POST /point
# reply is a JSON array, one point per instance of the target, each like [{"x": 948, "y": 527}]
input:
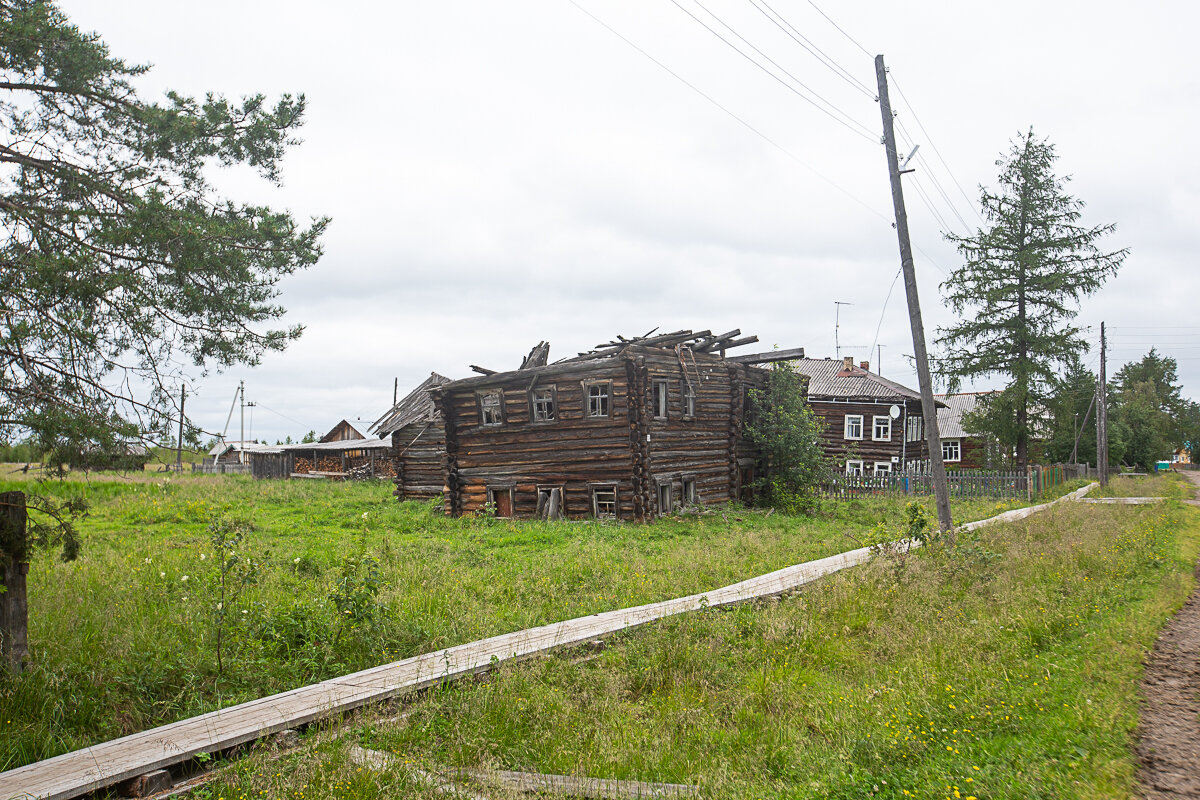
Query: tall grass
[
  {"x": 126, "y": 637},
  {"x": 1006, "y": 667}
]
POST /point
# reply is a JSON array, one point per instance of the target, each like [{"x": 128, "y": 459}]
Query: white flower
[
  {"x": 220, "y": 606},
  {"x": 243, "y": 611},
  {"x": 203, "y": 556},
  {"x": 184, "y": 578},
  {"x": 295, "y": 560},
  {"x": 148, "y": 560},
  {"x": 162, "y": 574},
  {"x": 364, "y": 515},
  {"x": 185, "y": 598}
]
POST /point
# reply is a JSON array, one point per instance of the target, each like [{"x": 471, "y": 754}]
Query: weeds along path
[
  {"x": 1169, "y": 731},
  {"x": 100, "y": 766}
]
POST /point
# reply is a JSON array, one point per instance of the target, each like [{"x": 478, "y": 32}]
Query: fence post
[{"x": 14, "y": 609}]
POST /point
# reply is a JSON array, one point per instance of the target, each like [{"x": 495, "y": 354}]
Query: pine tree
[
  {"x": 1020, "y": 285},
  {"x": 120, "y": 264}
]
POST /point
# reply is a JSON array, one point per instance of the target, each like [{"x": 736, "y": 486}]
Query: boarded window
[
  {"x": 660, "y": 399},
  {"x": 491, "y": 408},
  {"x": 604, "y": 502},
  {"x": 550, "y": 503},
  {"x": 543, "y": 402},
  {"x": 599, "y": 399},
  {"x": 501, "y": 501},
  {"x": 854, "y": 426}
]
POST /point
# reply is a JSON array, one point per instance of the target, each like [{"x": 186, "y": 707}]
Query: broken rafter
[
  {"x": 483, "y": 370},
  {"x": 537, "y": 357}
]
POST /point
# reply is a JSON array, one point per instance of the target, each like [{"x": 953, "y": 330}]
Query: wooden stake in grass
[{"x": 14, "y": 610}]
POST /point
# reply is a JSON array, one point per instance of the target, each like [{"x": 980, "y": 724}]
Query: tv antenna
[{"x": 837, "y": 315}]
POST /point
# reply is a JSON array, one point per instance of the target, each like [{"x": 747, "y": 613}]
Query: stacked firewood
[{"x": 303, "y": 466}]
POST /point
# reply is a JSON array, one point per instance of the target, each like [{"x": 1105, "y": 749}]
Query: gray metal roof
[
  {"x": 246, "y": 447},
  {"x": 416, "y": 406},
  {"x": 344, "y": 444},
  {"x": 950, "y": 424},
  {"x": 829, "y": 378}
]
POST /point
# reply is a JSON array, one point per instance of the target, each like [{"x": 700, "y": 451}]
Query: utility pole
[
  {"x": 941, "y": 488},
  {"x": 837, "y": 318},
  {"x": 179, "y": 450},
  {"x": 1102, "y": 412},
  {"x": 395, "y": 391},
  {"x": 242, "y": 411}
]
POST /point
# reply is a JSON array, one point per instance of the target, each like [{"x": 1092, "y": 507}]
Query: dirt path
[{"x": 1169, "y": 731}]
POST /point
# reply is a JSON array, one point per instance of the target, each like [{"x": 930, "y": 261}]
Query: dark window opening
[
  {"x": 501, "y": 501},
  {"x": 689, "y": 491},
  {"x": 660, "y": 399},
  {"x": 491, "y": 410},
  {"x": 604, "y": 502},
  {"x": 664, "y": 499},
  {"x": 543, "y": 402},
  {"x": 689, "y": 400}
]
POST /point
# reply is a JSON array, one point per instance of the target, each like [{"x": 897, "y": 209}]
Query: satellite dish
[{"x": 894, "y": 412}]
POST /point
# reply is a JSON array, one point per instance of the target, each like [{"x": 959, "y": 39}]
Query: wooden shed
[
  {"x": 635, "y": 428},
  {"x": 417, "y": 434}
]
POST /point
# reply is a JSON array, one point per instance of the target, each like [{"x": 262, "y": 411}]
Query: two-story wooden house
[
  {"x": 637, "y": 427},
  {"x": 873, "y": 425}
]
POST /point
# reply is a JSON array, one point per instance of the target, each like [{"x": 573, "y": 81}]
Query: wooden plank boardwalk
[{"x": 103, "y": 765}]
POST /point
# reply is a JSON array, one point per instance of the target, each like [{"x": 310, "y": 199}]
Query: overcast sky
[{"x": 502, "y": 173}]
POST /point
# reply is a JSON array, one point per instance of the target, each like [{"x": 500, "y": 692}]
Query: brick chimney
[{"x": 866, "y": 365}]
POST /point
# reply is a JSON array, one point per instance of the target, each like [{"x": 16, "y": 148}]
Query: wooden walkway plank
[{"x": 99, "y": 766}]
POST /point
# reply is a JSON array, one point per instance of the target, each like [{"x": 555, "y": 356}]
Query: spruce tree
[{"x": 1020, "y": 284}]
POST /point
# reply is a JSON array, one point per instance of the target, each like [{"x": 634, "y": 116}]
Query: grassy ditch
[
  {"x": 1163, "y": 484},
  {"x": 1006, "y": 667},
  {"x": 198, "y": 592}
]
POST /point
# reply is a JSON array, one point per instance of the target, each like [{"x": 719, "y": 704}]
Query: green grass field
[{"x": 1004, "y": 668}]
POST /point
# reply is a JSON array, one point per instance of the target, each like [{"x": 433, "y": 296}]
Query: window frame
[
  {"x": 956, "y": 443},
  {"x": 480, "y": 398},
  {"x": 534, "y": 393},
  {"x": 850, "y": 467},
  {"x": 660, "y": 398},
  {"x": 887, "y": 468},
  {"x": 688, "y": 400},
  {"x": 846, "y": 427},
  {"x": 587, "y": 399},
  {"x": 914, "y": 428},
  {"x": 690, "y": 496},
  {"x": 616, "y": 500},
  {"x": 875, "y": 420},
  {"x": 492, "y": 491}
]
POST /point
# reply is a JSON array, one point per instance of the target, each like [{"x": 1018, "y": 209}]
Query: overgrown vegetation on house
[{"x": 786, "y": 430}]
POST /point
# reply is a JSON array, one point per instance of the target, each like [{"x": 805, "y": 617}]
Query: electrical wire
[
  {"x": 802, "y": 40},
  {"x": 839, "y": 28},
  {"x": 832, "y": 112},
  {"x": 933, "y": 145},
  {"x": 730, "y": 113},
  {"x": 879, "y": 327}
]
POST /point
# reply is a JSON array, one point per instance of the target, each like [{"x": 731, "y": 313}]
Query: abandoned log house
[
  {"x": 635, "y": 428},
  {"x": 417, "y": 436},
  {"x": 873, "y": 426}
]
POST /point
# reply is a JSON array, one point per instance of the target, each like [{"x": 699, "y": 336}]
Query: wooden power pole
[
  {"x": 941, "y": 488},
  {"x": 1102, "y": 413},
  {"x": 179, "y": 449}
]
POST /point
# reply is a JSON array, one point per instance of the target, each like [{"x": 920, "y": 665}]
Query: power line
[
  {"x": 802, "y": 40},
  {"x": 879, "y": 327},
  {"x": 842, "y": 32},
  {"x": 848, "y": 122},
  {"x": 934, "y": 146},
  {"x": 730, "y": 113}
]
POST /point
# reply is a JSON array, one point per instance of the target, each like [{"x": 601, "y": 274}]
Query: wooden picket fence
[{"x": 964, "y": 483}]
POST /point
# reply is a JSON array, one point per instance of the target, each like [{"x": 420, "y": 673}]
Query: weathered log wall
[{"x": 417, "y": 455}]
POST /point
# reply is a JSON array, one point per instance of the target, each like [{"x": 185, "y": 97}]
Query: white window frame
[
  {"x": 846, "y": 427},
  {"x": 854, "y": 467},
  {"x": 875, "y": 424},
  {"x": 883, "y": 468},
  {"x": 914, "y": 428},
  {"x": 955, "y": 445}
]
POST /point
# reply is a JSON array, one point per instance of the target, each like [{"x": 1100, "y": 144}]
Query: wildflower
[
  {"x": 184, "y": 579},
  {"x": 148, "y": 560},
  {"x": 162, "y": 574},
  {"x": 203, "y": 556},
  {"x": 296, "y": 560},
  {"x": 364, "y": 515}
]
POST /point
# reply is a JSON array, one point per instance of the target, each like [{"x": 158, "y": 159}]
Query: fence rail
[
  {"x": 964, "y": 484},
  {"x": 222, "y": 469}
]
